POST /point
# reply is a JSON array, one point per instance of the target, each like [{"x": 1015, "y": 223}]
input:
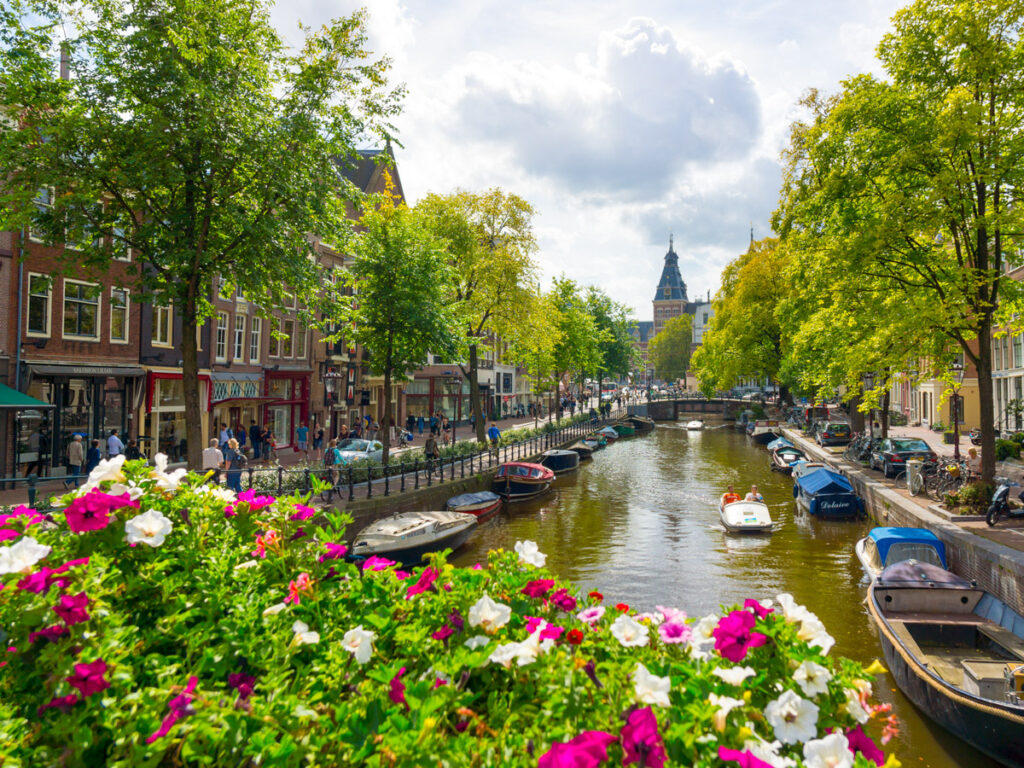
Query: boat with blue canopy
[
  {"x": 826, "y": 494},
  {"x": 779, "y": 442},
  {"x": 886, "y": 545}
]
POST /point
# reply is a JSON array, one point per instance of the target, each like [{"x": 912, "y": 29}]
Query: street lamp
[{"x": 958, "y": 370}]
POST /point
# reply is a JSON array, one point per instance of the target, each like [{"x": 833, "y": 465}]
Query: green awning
[{"x": 12, "y": 398}]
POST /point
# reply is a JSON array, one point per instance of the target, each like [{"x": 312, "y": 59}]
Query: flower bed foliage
[{"x": 151, "y": 620}]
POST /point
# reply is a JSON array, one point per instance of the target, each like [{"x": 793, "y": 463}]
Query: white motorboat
[
  {"x": 695, "y": 424},
  {"x": 746, "y": 517},
  {"x": 408, "y": 536}
]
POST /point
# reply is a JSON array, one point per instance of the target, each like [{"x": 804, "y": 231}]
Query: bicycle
[{"x": 946, "y": 479}]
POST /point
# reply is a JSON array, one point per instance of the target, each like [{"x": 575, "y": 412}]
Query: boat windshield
[{"x": 912, "y": 550}]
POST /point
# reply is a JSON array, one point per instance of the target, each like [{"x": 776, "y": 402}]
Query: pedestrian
[
  {"x": 446, "y": 428},
  {"x": 356, "y": 430},
  {"x": 131, "y": 451},
  {"x": 434, "y": 421},
  {"x": 420, "y": 423},
  {"x": 213, "y": 460},
  {"x": 333, "y": 462},
  {"x": 234, "y": 463},
  {"x": 494, "y": 435},
  {"x": 432, "y": 453},
  {"x": 114, "y": 445},
  {"x": 256, "y": 438},
  {"x": 410, "y": 423},
  {"x": 240, "y": 436},
  {"x": 270, "y": 445},
  {"x": 76, "y": 459},
  {"x": 92, "y": 457},
  {"x": 343, "y": 433},
  {"x": 302, "y": 436},
  {"x": 374, "y": 429},
  {"x": 318, "y": 441},
  {"x": 225, "y": 435}
]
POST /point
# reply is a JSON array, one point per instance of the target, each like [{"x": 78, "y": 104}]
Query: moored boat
[
  {"x": 519, "y": 480},
  {"x": 482, "y": 504},
  {"x": 408, "y": 536},
  {"x": 585, "y": 450},
  {"x": 778, "y": 443},
  {"x": 641, "y": 423},
  {"x": 559, "y": 461},
  {"x": 764, "y": 431},
  {"x": 802, "y": 468},
  {"x": 745, "y": 517},
  {"x": 608, "y": 433},
  {"x": 956, "y": 651},
  {"x": 694, "y": 425},
  {"x": 885, "y": 546},
  {"x": 827, "y": 494},
  {"x": 784, "y": 457},
  {"x": 624, "y": 429}
]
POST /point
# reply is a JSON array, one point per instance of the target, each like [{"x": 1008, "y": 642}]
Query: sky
[{"x": 619, "y": 121}]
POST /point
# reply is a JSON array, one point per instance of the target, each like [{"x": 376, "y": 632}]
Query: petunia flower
[
  {"x": 734, "y": 636},
  {"x": 456, "y": 621},
  {"x": 588, "y": 750},
  {"x": 674, "y": 632},
  {"x": 298, "y": 586},
  {"x": 832, "y": 751},
  {"x": 538, "y": 588},
  {"x": 745, "y": 758},
  {"x": 242, "y": 683},
  {"x": 443, "y": 633},
  {"x": 548, "y": 631},
  {"x": 302, "y": 512},
  {"x": 20, "y": 557},
  {"x": 359, "y": 643},
  {"x": 563, "y": 600},
  {"x": 49, "y": 633},
  {"x": 150, "y": 528},
  {"x": 672, "y": 614},
  {"x": 591, "y": 615},
  {"x": 649, "y": 688},
  {"x": 860, "y": 743},
  {"x": 180, "y": 706},
  {"x": 477, "y": 641},
  {"x": 334, "y": 552},
  {"x": 812, "y": 678},
  {"x": 641, "y": 741},
  {"x": 794, "y": 719},
  {"x": 723, "y": 706},
  {"x": 89, "y": 678},
  {"x": 628, "y": 632},
  {"x": 427, "y": 577},
  {"x": 108, "y": 469},
  {"x": 303, "y": 635},
  {"x": 63, "y": 703},
  {"x": 397, "y": 689},
  {"x": 489, "y": 615},
  {"x": 591, "y": 669},
  {"x": 91, "y": 512},
  {"x": 71, "y": 608},
  {"x": 733, "y": 675},
  {"x": 760, "y": 609},
  {"x": 529, "y": 554},
  {"x": 374, "y": 563}
]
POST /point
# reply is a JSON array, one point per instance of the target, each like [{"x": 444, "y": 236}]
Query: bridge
[{"x": 670, "y": 409}]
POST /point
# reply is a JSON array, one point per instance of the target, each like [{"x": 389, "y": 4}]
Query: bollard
[
  {"x": 387, "y": 487},
  {"x": 306, "y": 489}
]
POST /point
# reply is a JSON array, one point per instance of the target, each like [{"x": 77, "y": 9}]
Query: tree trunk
[
  {"x": 474, "y": 394},
  {"x": 856, "y": 417},
  {"x": 986, "y": 401},
  {"x": 385, "y": 424},
  {"x": 885, "y": 414},
  {"x": 190, "y": 380}
]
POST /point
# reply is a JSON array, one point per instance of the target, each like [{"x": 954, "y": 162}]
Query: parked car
[
  {"x": 892, "y": 453},
  {"x": 834, "y": 433},
  {"x": 354, "y": 449}
]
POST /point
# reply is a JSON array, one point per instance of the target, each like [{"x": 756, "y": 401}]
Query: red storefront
[{"x": 289, "y": 407}]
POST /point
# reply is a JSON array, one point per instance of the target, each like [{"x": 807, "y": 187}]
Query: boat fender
[{"x": 796, "y": 491}]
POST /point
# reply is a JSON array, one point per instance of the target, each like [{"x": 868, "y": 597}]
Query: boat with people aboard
[
  {"x": 408, "y": 536},
  {"x": 560, "y": 461},
  {"x": 520, "y": 480},
  {"x": 784, "y": 457},
  {"x": 825, "y": 493},
  {"x": 956, "y": 651},
  {"x": 745, "y": 517},
  {"x": 886, "y": 545},
  {"x": 694, "y": 425},
  {"x": 763, "y": 431},
  {"x": 482, "y": 504}
]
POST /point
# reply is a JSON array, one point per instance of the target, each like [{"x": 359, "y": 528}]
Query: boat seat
[
  {"x": 913, "y": 617},
  {"x": 1004, "y": 638}
]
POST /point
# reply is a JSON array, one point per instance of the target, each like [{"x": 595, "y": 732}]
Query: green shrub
[
  {"x": 1017, "y": 437},
  {"x": 973, "y": 497},
  {"x": 1007, "y": 449}
]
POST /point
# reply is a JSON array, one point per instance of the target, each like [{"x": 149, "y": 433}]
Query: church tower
[{"x": 670, "y": 299}]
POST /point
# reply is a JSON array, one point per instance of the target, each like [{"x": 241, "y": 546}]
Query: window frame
[
  {"x": 274, "y": 343},
  {"x": 255, "y": 339},
  {"x": 288, "y": 342},
  {"x": 49, "y": 306},
  {"x": 38, "y": 205},
  {"x": 220, "y": 339},
  {"x": 126, "y": 308},
  {"x": 300, "y": 346},
  {"x": 64, "y": 309},
  {"x": 159, "y": 311},
  {"x": 114, "y": 244},
  {"x": 239, "y": 339}
]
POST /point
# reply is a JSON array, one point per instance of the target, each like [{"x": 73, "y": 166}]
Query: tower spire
[
  {"x": 751, "y": 234},
  {"x": 670, "y": 241}
]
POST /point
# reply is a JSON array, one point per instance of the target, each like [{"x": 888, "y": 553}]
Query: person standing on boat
[
  {"x": 754, "y": 495},
  {"x": 730, "y": 496}
]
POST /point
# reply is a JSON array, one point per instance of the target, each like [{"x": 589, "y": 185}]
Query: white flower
[
  {"x": 833, "y": 751},
  {"x": 151, "y": 528},
  {"x": 304, "y": 711},
  {"x": 274, "y": 609},
  {"x": 793, "y": 718},
  {"x": 702, "y": 642},
  {"x": 725, "y": 705},
  {"x": 359, "y": 643},
  {"x": 160, "y": 462},
  {"x": 489, "y": 615},
  {"x": 108, "y": 469},
  {"x": 217, "y": 491},
  {"x": 169, "y": 481},
  {"x": 791, "y": 609},
  {"x": 733, "y": 675},
  {"x": 854, "y": 708},
  {"x": 22, "y": 556},
  {"x": 650, "y": 689},
  {"x": 304, "y": 637},
  {"x": 478, "y": 641},
  {"x": 505, "y": 654},
  {"x": 245, "y": 566},
  {"x": 133, "y": 491},
  {"x": 812, "y": 678},
  {"x": 533, "y": 646},
  {"x": 629, "y": 632},
  {"x": 529, "y": 554},
  {"x": 812, "y": 632}
]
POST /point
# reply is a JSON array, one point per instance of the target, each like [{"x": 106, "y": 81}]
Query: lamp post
[{"x": 958, "y": 371}]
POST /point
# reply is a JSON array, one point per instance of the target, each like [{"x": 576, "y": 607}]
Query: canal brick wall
[{"x": 996, "y": 568}]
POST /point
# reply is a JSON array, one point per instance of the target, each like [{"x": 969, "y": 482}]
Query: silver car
[{"x": 355, "y": 449}]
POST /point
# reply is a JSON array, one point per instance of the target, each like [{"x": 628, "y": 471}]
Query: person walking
[
  {"x": 318, "y": 441},
  {"x": 92, "y": 457},
  {"x": 234, "y": 463},
  {"x": 131, "y": 451},
  {"x": 240, "y": 436},
  {"x": 302, "y": 436},
  {"x": 270, "y": 446},
  {"x": 114, "y": 445},
  {"x": 410, "y": 423},
  {"x": 446, "y": 430},
  {"x": 431, "y": 452},
  {"x": 225, "y": 435},
  {"x": 420, "y": 423},
  {"x": 213, "y": 460},
  {"x": 494, "y": 435},
  {"x": 256, "y": 438},
  {"x": 76, "y": 459}
]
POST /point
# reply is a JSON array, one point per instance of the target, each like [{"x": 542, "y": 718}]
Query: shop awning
[
  {"x": 128, "y": 371},
  {"x": 245, "y": 400},
  {"x": 19, "y": 401}
]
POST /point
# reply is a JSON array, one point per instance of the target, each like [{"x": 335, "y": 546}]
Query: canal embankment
[{"x": 996, "y": 567}]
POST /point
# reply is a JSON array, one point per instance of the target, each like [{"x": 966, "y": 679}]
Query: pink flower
[
  {"x": 734, "y": 636},
  {"x": 255, "y": 502},
  {"x": 50, "y": 633},
  {"x": 759, "y": 610},
  {"x": 674, "y": 632},
  {"x": 538, "y": 588},
  {"x": 860, "y": 742},
  {"x": 374, "y": 563},
  {"x": 6, "y": 534},
  {"x": 63, "y": 703},
  {"x": 587, "y": 750},
  {"x": 402, "y": 575},
  {"x": 591, "y": 615},
  {"x": 302, "y": 512},
  {"x": 92, "y": 511},
  {"x": 564, "y": 600},
  {"x": 38, "y": 582},
  {"x": 745, "y": 758},
  {"x": 89, "y": 678},
  {"x": 397, "y": 692},
  {"x": 179, "y": 707},
  {"x": 550, "y": 632},
  {"x": 641, "y": 741},
  {"x": 242, "y": 683},
  {"x": 71, "y": 608},
  {"x": 443, "y": 633},
  {"x": 438, "y": 682},
  {"x": 297, "y": 586},
  {"x": 268, "y": 539},
  {"x": 426, "y": 579},
  {"x": 476, "y": 567},
  {"x": 334, "y": 552},
  {"x": 672, "y": 614}
]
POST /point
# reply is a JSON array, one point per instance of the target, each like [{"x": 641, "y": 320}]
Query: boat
[
  {"x": 745, "y": 517},
  {"x": 784, "y": 457},
  {"x": 764, "y": 431},
  {"x": 519, "y": 480},
  {"x": 584, "y": 449},
  {"x": 641, "y": 423},
  {"x": 623, "y": 429},
  {"x": 408, "y": 536},
  {"x": 594, "y": 442},
  {"x": 956, "y": 651},
  {"x": 608, "y": 433},
  {"x": 696, "y": 424},
  {"x": 801, "y": 468},
  {"x": 482, "y": 505},
  {"x": 778, "y": 443},
  {"x": 827, "y": 494},
  {"x": 886, "y": 545},
  {"x": 559, "y": 461}
]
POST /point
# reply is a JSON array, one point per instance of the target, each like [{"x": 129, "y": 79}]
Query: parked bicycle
[{"x": 947, "y": 478}]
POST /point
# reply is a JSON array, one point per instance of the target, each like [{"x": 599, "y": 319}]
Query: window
[
  {"x": 222, "y": 336},
  {"x": 668, "y": 292},
  {"x": 43, "y": 202},
  {"x": 255, "y": 328},
  {"x": 1018, "y": 358},
  {"x": 161, "y": 326},
  {"x": 81, "y": 309},
  {"x": 39, "y": 288},
  {"x": 239, "y": 350},
  {"x": 273, "y": 348},
  {"x": 288, "y": 329},
  {"x": 119, "y": 315},
  {"x": 300, "y": 340},
  {"x": 118, "y": 245}
]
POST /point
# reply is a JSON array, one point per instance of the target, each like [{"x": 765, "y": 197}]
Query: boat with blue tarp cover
[
  {"x": 482, "y": 504},
  {"x": 784, "y": 457},
  {"x": 827, "y": 494},
  {"x": 885, "y": 545},
  {"x": 778, "y": 443}
]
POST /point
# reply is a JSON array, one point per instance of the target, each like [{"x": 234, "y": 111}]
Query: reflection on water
[{"x": 640, "y": 523}]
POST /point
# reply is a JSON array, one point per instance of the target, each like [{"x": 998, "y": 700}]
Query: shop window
[
  {"x": 162, "y": 317},
  {"x": 300, "y": 340},
  {"x": 119, "y": 315},
  {"x": 255, "y": 330},
  {"x": 39, "y": 290},
  {"x": 288, "y": 329},
  {"x": 274, "y": 346},
  {"x": 280, "y": 389},
  {"x": 81, "y": 309},
  {"x": 222, "y": 336},
  {"x": 239, "y": 350}
]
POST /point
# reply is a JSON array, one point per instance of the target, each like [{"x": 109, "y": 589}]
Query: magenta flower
[
  {"x": 334, "y": 552},
  {"x": 38, "y": 582},
  {"x": 456, "y": 621},
  {"x": 745, "y": 758},
  {"x": 92, "y": 511},
  {"x": 21, "y": 514},
  {"x": 538, "y": 588},
  {"x": 302, "y": 512},
  {"x": 89, "y": 678},
  {"x": 397, "y": 692},
  {"x": 641, "y": 741},
  {"x": 180, "y": 706},
  {"x": 550, "y": 632},
  {"x": 443, "y": 633},
  {"x": 427, "y": 577},
  {"x": 71, "y": 608},
  {"x": 242, "y": 683},
  {"x": 672, "y": 614},
  {"x": 50, "y": 633},
  {"x": 674, "y": 632},
  {"x": 759, "y": 610},
  {"x": 476, "y": 567},
  {"x": 63, "y": 703},
  {"x": 374, "y": 563},
  {"x": 860, "y": 742},
  {"x": 587, "y": 750},
  {"x": 402, "y": 575},
  {"x": 734, "y": 636},
  {"x": 255, "y": 502},
  {"x": 6, "y": 534},
  {"x": 564, "y": 600}
]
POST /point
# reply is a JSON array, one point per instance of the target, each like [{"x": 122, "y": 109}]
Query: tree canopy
[{"x": 669, "y": 350}]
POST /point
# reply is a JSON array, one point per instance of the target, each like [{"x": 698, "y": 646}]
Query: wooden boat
[
  {"x": 482, "y": 505},
  {"x": 746, "y": 517},
  {"x": 623, "y": 429},
  {"x": 641, "y": 423},
  {"x": 519, "y": 480},
  {"x": 957, "y": 652},
  {"x": 763, "y": 432},
  {"x": 559, "y": 461},
  {"x": 408, "y": 536},
  {"x": 694, "y": 425},
  {"x": 885, "y": 546},
  {"x": 827, "y": 494},
  {"x": 784, "y": 457},
  {"x": 585, "y": 450},
  {"x": 608, "y": 433}
]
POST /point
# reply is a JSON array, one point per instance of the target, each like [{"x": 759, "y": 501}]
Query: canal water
[{"x": 640, "y": 523}]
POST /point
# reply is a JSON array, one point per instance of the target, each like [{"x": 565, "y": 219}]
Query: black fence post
[
  {"x": 251, "y": 470},
  {"x": 402, "y": 482},
  {"x": 430, "y": 470},
  {"x": 416, "y": 473},
  {"x": 462, "y": 466},
  {"x": 31, "y": 489},
  {"x": 452, "y": 473},
  {"x": 351, "y": 485},
  {"x": 280, "y": 480},
  {"x": 369, "y": 482},
  {"x": 387, "y": 488},
  {"x": 306, "y": 489}
]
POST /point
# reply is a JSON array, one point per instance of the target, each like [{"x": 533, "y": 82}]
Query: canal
[{"x": 640, "y": 523}]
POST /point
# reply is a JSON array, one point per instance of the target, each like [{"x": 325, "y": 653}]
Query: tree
[
  {"x": 400, "y": 275},
  {"x": 578, "y": 347},
  {"x": 190, "y": 134},
  {"x": 669, "y": 350},
  {"x": 615, "y": 323},
  {"x": 534, "y": 347},
  {"x": 490, "y": 243}
]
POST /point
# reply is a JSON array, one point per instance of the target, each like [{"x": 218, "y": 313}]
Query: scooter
[
  {"x": 975, "y": 435},
  {"x": 1000, "y": 506}
]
